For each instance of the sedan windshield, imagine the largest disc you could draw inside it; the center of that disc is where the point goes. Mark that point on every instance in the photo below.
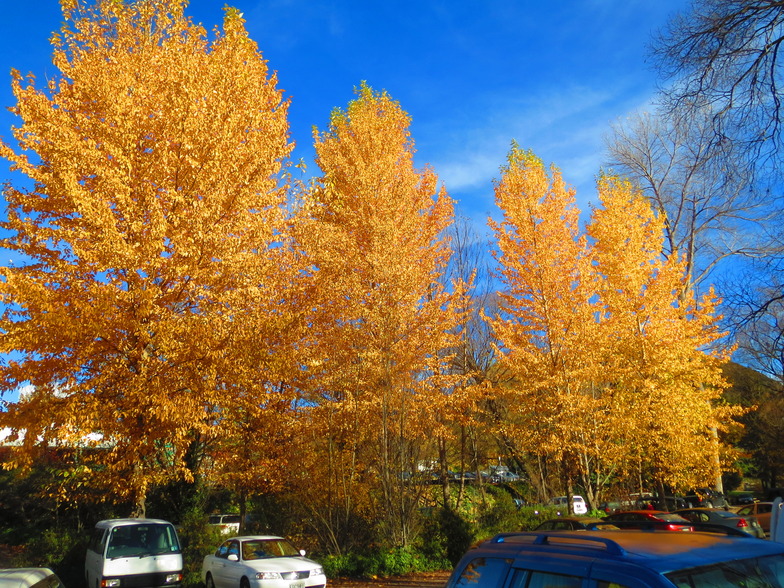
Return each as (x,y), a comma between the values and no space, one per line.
(260,548)
(671,518)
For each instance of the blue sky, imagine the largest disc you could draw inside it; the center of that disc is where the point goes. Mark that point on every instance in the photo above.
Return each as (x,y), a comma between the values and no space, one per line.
(473,75)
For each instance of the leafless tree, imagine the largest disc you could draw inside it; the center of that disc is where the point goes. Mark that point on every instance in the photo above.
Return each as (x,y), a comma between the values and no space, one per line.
(724,55)
(754,312)
(710,207)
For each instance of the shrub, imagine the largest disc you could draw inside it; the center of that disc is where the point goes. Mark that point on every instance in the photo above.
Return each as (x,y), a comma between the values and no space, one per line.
(396,561)
(62,550)
(198,539)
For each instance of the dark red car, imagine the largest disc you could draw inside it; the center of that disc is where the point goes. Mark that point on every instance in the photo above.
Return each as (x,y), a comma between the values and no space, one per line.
(667,520)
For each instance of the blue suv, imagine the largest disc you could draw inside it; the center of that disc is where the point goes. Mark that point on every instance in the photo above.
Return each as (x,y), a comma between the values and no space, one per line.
(620,559)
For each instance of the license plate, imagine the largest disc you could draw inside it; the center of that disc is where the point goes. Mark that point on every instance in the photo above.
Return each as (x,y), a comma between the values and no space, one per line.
(297,585)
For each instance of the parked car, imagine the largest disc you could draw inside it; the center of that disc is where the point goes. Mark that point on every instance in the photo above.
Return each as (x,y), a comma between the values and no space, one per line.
(724,518)
(575,524)
(741,498)
(611,506)
(133,552)
(507,476)
(499,474)
(229,523)
(263,561)
(29,578)
(668,503)
(630,559)
(705,497)
(578,504)
(760,511)
(668,520)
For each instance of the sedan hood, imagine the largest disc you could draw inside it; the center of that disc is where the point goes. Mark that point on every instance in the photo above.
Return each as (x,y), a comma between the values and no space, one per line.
(282,564)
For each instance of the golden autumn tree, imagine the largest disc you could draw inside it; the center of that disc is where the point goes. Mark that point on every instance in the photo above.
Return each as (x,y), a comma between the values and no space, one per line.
(545,318)
(157,278)
(613,369)
(661,365)
(379,247)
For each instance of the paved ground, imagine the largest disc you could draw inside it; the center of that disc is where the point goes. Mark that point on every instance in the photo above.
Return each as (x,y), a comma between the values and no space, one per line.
(419,580)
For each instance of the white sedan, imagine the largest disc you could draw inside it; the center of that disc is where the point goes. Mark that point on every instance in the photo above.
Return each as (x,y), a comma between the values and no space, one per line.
(261,562)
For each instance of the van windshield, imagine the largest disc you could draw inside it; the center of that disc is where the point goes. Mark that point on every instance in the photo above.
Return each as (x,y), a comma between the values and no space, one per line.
(139,540)
(762,572)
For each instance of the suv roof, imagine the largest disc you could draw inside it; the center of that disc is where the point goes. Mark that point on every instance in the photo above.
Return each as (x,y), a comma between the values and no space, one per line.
(643,555)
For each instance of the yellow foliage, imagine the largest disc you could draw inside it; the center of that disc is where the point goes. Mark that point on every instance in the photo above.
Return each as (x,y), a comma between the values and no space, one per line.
(155,236)
(613,362)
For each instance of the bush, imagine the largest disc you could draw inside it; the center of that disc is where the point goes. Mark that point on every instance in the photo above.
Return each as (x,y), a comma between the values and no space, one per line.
(457,534)
(198,539)
(341,566)
(381,563)
(62,550)
(530,517)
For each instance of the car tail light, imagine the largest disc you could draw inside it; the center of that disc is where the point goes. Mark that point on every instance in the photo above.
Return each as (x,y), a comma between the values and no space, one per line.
(742,523)
(672,527)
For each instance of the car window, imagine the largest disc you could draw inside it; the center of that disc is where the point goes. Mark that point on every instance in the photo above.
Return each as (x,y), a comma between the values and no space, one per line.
(746,510)
(764,508)
(533,579)
(234,548)
(755,572)
(546,526)
(223,550)
(487,572)
(546,580)
(671,517)
(725,514)
(97,542)
(695,516)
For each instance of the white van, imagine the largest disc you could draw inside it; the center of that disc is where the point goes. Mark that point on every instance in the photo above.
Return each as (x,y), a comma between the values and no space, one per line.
(133,553)
(578,504)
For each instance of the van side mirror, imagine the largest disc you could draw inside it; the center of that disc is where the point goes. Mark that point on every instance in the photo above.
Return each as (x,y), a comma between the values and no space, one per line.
(233,557)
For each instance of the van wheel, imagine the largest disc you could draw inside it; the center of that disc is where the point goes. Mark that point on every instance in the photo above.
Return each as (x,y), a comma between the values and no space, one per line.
(209,582)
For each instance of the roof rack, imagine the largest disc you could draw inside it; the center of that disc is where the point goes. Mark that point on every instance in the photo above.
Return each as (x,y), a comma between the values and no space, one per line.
(562,539)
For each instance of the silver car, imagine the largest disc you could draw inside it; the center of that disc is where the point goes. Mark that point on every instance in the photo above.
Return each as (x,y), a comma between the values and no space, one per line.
(724,518)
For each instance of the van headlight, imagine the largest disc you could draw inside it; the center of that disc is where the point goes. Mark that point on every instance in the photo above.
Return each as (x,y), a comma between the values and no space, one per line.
(110,583)
(173,578)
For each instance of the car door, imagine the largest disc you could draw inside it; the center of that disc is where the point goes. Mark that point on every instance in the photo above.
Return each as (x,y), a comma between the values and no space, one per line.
(234,567)
(220,574)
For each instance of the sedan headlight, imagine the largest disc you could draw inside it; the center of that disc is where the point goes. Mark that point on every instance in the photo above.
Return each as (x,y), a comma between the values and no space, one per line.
(317,571)
(268,576)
